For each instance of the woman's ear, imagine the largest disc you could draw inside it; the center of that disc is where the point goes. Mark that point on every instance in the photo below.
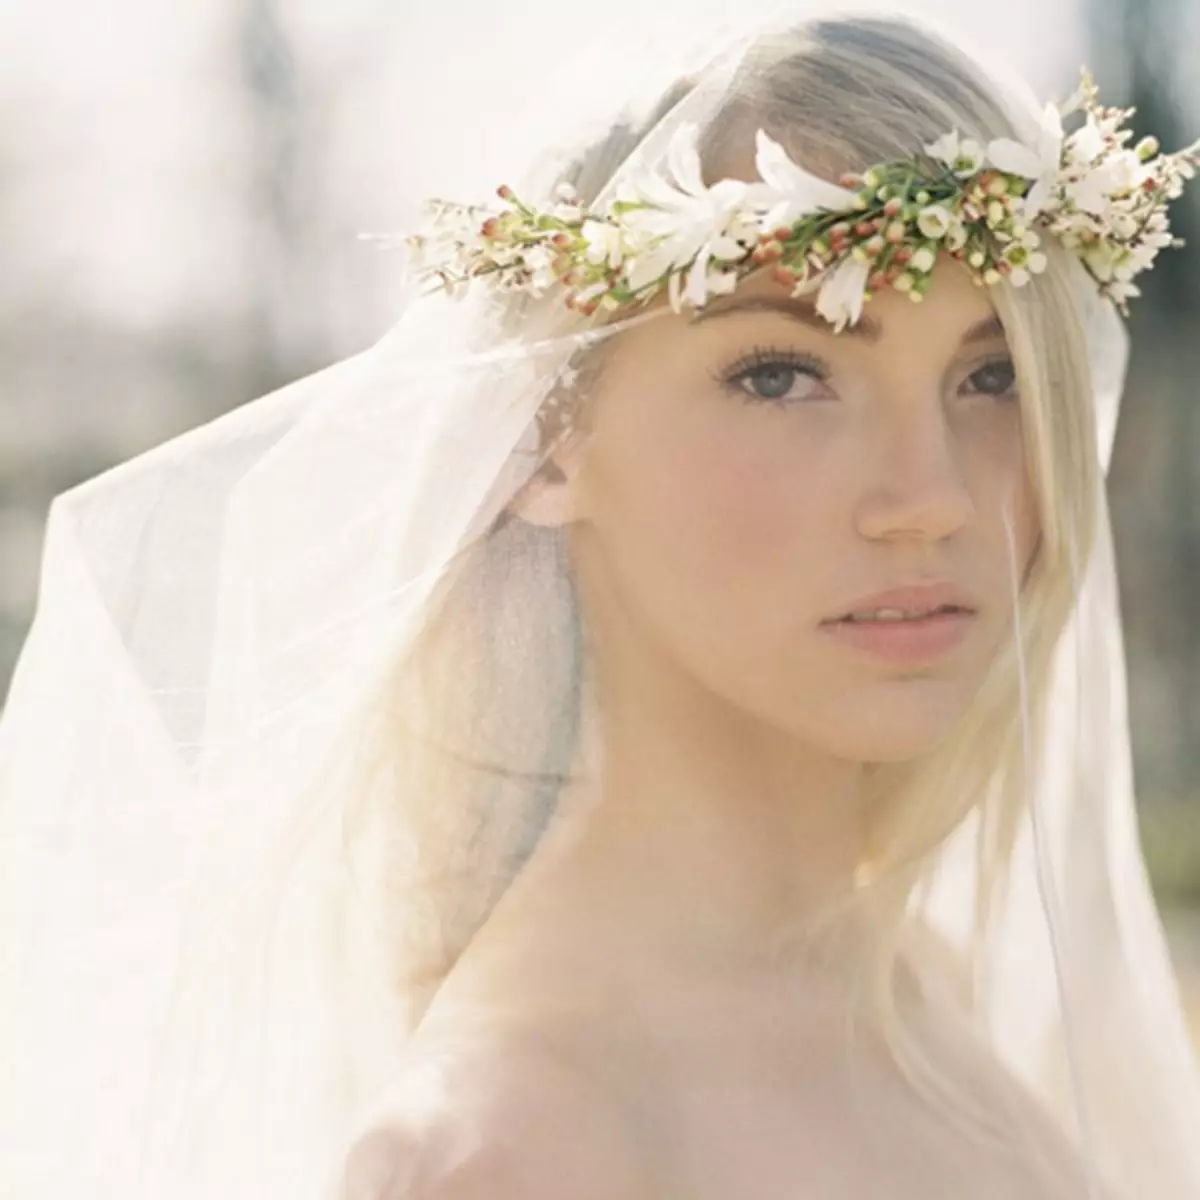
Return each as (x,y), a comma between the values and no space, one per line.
(553,494)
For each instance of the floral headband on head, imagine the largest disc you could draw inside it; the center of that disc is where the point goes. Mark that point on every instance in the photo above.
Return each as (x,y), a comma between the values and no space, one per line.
(985,205)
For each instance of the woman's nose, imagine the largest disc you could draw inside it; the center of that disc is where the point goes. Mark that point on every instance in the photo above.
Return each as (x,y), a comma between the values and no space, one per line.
(916,486)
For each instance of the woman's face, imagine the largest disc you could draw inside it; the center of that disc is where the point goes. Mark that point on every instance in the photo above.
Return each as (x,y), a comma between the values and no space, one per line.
(748,477)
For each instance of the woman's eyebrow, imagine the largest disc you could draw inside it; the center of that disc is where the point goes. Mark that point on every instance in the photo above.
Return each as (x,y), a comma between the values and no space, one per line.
(800,310)
(984,331)
(790,306)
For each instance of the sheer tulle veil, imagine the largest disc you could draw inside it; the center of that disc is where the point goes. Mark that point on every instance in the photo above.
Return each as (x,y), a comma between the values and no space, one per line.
(301,696)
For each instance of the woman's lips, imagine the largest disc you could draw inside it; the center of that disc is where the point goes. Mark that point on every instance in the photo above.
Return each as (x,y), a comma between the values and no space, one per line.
(911,640)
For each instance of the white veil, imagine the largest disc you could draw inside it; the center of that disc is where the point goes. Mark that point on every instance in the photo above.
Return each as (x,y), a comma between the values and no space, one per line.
(198,964)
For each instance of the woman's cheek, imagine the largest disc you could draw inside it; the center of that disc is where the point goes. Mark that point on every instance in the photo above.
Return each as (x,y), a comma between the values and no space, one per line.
(999,479)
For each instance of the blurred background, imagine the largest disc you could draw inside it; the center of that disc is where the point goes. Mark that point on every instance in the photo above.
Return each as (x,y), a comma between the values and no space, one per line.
(181,190)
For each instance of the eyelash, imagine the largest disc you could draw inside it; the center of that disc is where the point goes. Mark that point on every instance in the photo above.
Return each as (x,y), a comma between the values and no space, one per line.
(769,356)
(816,368)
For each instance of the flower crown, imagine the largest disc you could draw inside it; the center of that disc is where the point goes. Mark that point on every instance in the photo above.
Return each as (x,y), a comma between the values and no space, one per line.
(984,205)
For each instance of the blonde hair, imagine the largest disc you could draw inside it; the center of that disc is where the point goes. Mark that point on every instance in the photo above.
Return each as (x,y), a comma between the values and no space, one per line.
(854,91)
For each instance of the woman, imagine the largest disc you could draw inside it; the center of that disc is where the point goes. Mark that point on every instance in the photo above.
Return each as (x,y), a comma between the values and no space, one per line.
(570,753)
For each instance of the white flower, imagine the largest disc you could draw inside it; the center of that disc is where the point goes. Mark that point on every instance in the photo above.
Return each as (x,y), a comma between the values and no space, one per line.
(1123,225)
(686,220)
(743,228)
(722,283)
(1024,256)
(699,282)
(840,299)
(790,192)
(604,241)
(673,294)
(956,235)
(505,256)
(592,291)
(945,149)
(568,213)
(1096,188)
(1041,164)
(963,157)
(1101,259)
(922,260)
(1023,237)
(935,221)
(1133,260)
(1090,193)
(1086,144)
(539,261)
(1120,292)
(810,279)
(1075,100)
(1126,170)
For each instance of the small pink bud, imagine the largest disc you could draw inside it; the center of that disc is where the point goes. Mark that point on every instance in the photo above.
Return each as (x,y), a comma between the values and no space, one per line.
(893,206)
(504,192)
(864,229)
(766,252)
(902,255)
(490,227)
(782,233)
(895,232)
(875,246)
(784,275)
(878,281)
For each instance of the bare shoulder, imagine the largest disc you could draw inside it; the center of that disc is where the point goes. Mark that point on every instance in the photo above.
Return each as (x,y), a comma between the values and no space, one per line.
(1036,1143)
(489,1119)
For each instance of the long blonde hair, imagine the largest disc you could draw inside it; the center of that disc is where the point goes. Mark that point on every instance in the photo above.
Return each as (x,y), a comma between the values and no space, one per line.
(855,90)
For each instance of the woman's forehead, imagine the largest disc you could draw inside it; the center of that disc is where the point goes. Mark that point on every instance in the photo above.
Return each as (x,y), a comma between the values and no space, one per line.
(953,308)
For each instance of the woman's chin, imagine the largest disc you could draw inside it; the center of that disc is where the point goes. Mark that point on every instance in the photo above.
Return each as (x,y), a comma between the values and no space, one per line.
(893,729)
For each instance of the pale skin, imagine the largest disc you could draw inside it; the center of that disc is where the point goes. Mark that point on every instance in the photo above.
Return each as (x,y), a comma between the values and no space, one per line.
(638,1019)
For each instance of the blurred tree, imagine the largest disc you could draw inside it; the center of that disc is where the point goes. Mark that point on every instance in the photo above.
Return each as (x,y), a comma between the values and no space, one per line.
(1156,468)
(284,334)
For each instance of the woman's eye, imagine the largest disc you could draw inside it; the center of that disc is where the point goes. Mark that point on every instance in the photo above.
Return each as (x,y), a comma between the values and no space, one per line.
(775,379)
(998,378)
